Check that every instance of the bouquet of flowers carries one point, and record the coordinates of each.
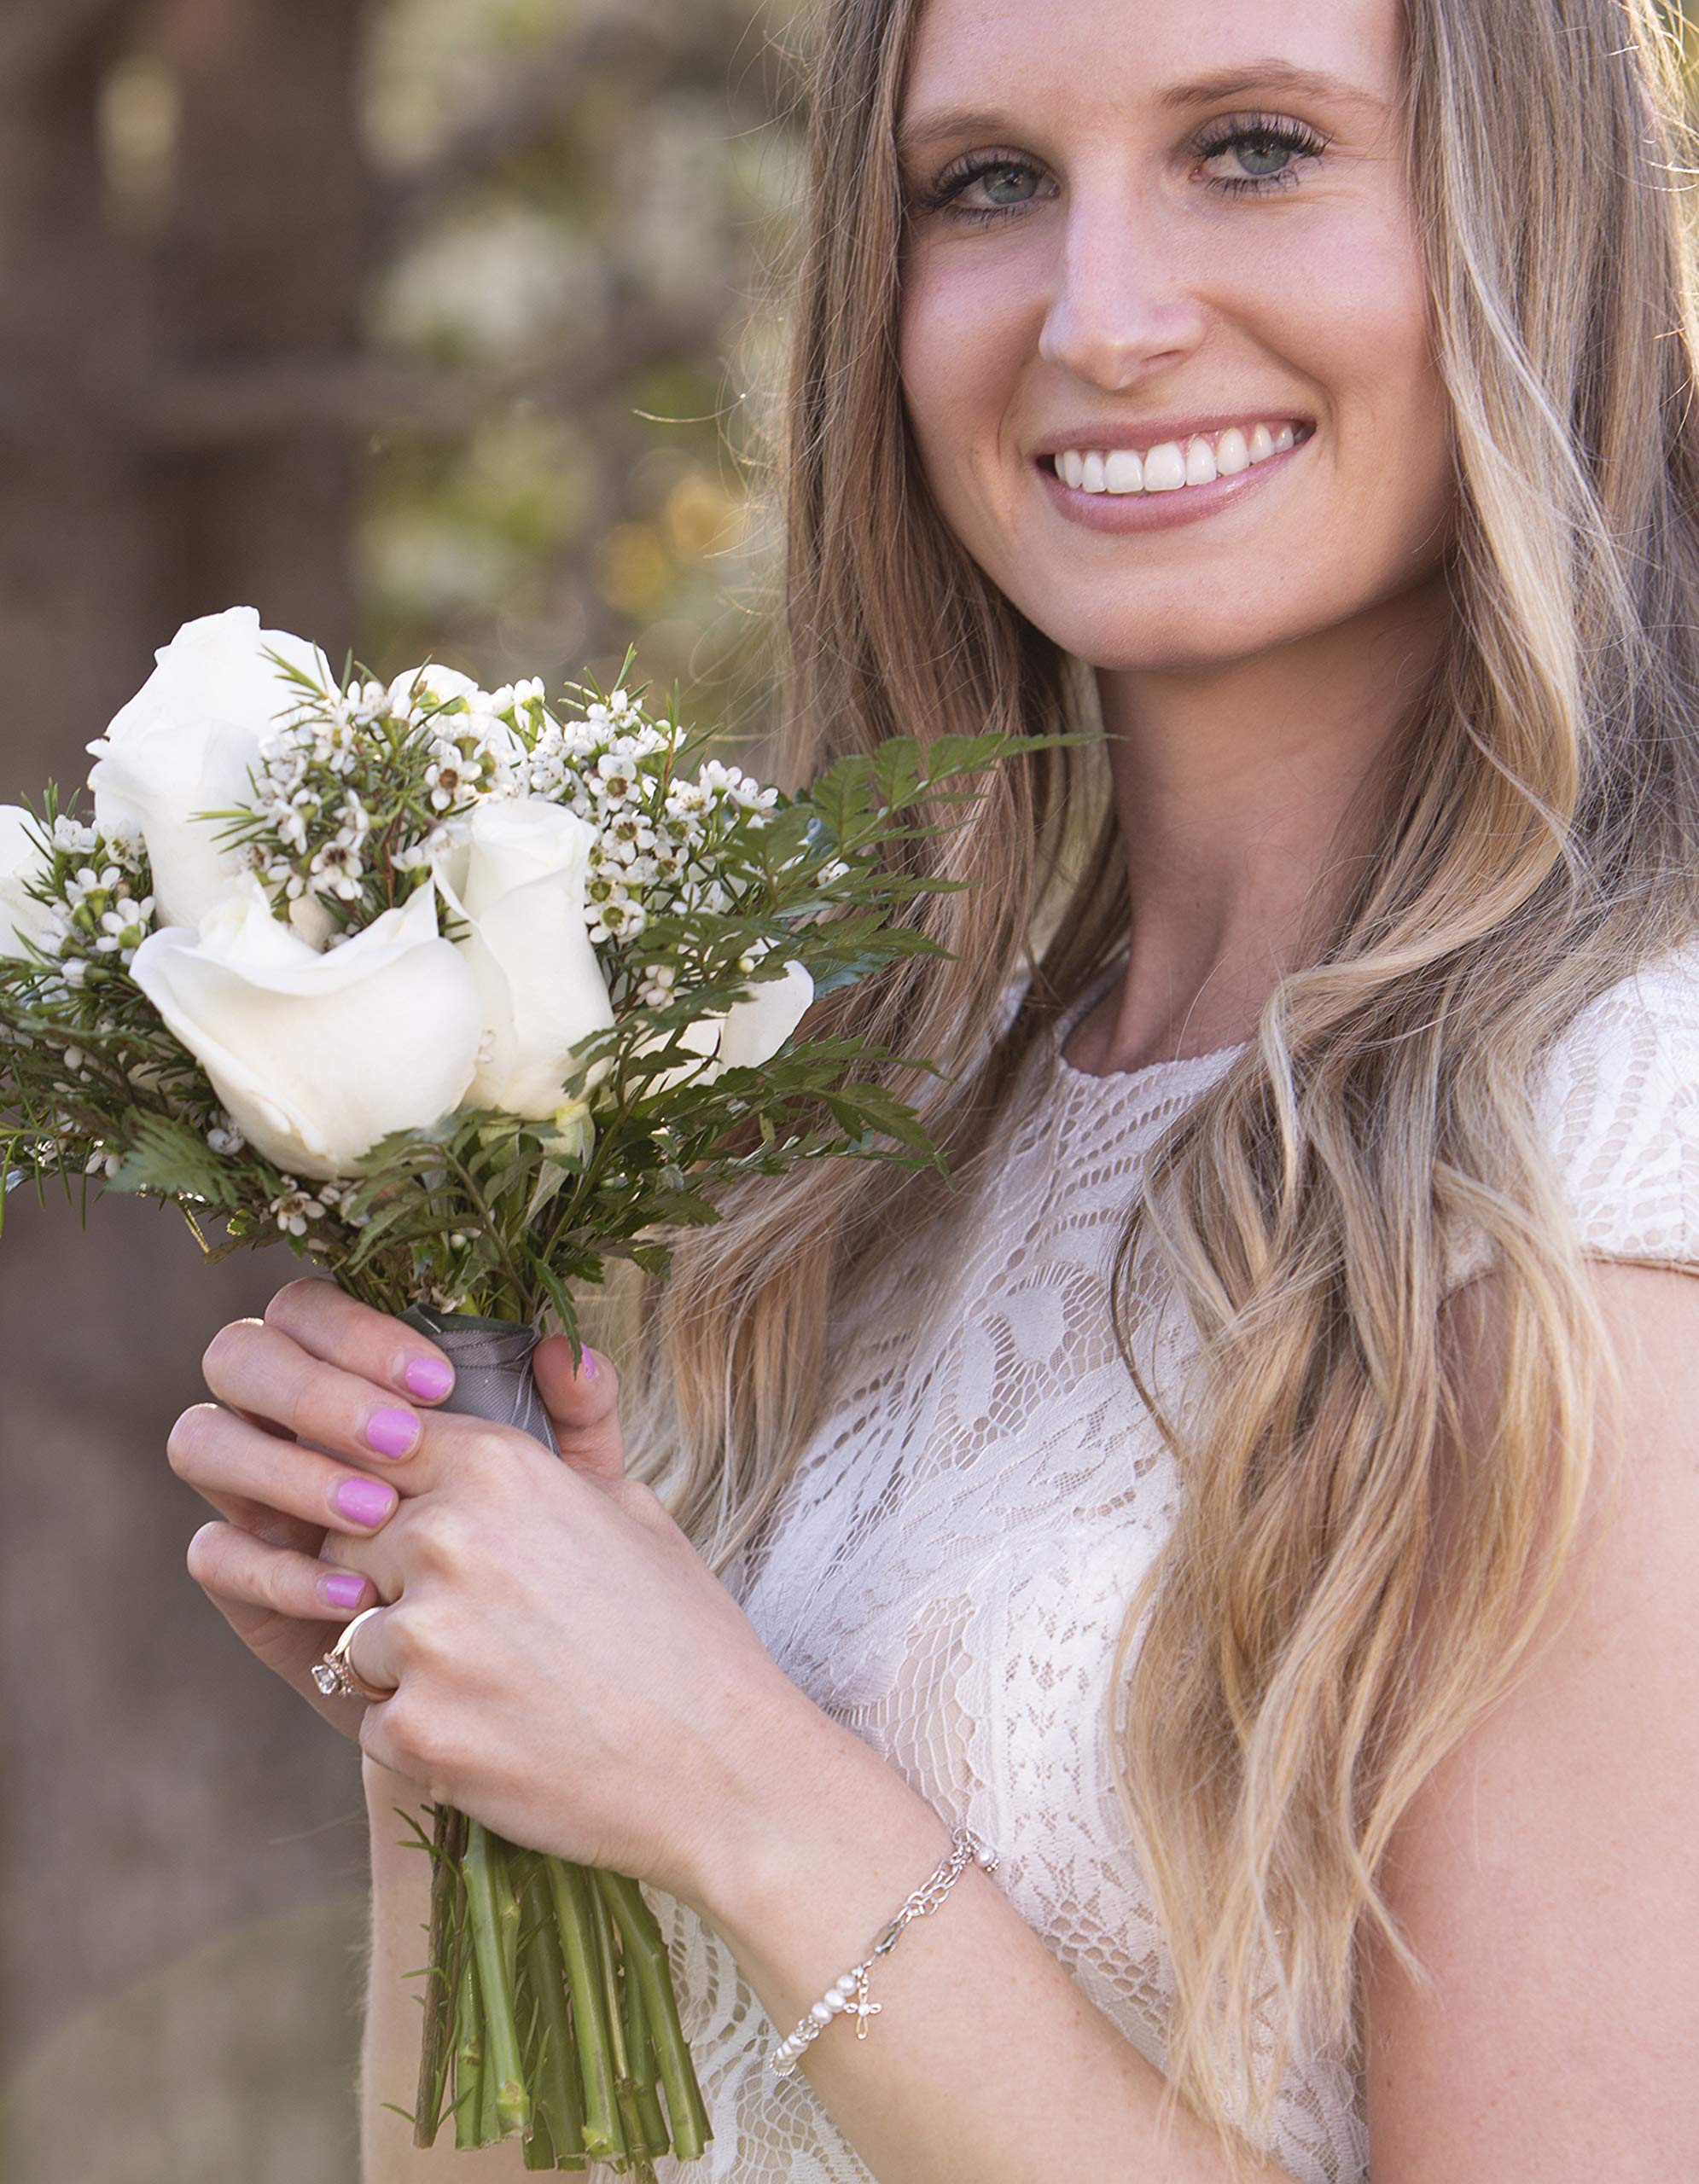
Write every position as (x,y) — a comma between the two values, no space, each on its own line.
(460,994)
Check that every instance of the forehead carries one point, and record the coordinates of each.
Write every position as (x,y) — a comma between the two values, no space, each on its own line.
(1121,59)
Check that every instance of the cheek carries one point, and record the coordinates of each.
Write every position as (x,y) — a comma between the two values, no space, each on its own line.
(963,337)
(1360,326)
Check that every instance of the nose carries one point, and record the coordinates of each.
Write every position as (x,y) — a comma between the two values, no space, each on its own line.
(1124,302)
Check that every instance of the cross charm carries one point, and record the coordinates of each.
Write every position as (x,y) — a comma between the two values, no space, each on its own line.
(861,2009)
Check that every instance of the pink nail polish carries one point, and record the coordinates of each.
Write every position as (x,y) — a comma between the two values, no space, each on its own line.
(366,1501)
(343,1590)
(587,1370)
(391,1432)
(430,1379)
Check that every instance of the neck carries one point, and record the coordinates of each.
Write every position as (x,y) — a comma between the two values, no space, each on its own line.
(1246,793)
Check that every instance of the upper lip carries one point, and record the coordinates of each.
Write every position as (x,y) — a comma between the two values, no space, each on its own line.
(1108,433)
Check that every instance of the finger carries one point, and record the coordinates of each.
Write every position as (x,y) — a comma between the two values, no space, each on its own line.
(211,1448)
(258,1370)
(372,1650)
(236,1568)
(341,1331)
(584,1407)
(264,1522)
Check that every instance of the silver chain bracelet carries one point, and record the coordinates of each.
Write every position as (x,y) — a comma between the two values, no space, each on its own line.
(847,1996)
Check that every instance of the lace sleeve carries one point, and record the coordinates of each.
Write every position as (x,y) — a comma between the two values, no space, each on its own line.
(1620,1099)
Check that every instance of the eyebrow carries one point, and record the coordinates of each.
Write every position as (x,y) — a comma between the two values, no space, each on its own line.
(1272,75)
(1243,77)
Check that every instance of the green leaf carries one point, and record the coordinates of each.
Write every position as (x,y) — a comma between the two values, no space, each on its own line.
(897,768)
(688,1208)
(167,1157)
(549,1178)
(961,754)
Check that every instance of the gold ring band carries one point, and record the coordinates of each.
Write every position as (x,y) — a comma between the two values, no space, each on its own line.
(337,1675)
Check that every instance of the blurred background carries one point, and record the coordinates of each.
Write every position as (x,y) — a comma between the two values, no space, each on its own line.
(430,328)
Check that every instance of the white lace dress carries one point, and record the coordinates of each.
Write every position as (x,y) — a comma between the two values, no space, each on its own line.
(948,1572)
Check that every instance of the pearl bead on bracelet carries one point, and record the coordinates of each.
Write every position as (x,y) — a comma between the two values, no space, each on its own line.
(848,1994)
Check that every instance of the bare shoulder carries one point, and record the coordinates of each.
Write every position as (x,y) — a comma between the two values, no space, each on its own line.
(1545,1871)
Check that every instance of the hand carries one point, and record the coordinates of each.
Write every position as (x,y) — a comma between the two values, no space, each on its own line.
(273,1571)
(568,1669)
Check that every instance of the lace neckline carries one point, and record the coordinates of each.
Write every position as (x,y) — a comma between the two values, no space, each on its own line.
(1154,1085)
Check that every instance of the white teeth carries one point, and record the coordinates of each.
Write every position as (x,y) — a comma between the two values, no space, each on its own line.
(1165,468)
(1170,466)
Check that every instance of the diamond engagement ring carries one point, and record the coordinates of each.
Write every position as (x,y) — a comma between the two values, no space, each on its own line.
(336,1675)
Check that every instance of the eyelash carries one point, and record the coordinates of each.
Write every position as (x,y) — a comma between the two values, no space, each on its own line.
(1263,130)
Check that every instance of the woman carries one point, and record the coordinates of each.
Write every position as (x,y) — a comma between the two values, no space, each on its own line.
(1213,1499)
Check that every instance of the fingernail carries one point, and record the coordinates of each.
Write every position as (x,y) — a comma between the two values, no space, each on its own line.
(430,1379)
(343,1590)
(366,1501)
(391,1432)
(587,1370)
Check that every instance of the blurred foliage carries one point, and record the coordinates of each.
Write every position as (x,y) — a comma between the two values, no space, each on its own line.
(552,176)
(510,545)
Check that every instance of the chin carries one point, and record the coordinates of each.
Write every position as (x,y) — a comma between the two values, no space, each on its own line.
(1159,641)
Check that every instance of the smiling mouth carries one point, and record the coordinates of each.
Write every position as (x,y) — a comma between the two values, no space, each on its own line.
(1171,466)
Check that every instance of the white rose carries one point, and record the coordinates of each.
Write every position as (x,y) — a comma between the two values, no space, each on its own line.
(317,1057)
(515,873)
(185,742)
(432,684)
(743,1036)
(21,917)
(755,1028)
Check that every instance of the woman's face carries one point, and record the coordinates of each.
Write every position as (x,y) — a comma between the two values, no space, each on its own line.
(1164,228)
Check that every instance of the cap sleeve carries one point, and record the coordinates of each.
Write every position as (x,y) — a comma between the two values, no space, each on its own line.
(1618,1100)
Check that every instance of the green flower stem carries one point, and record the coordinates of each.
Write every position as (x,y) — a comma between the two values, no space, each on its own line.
(630,2115)
(468,2057)
(447,1932)
(489,2119)
(487,1890)
(646,1955)
(536,2148)
(556,2085)
(656,2137)
(603,2135)
(608,1965)
(504,1856)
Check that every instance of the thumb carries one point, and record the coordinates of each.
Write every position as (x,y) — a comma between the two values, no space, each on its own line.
(584,1407)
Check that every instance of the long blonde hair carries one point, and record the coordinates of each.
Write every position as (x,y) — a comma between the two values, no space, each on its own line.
(1305,1654)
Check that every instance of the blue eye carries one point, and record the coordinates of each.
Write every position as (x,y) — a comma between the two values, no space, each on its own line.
(1267,137)
(1266,145)
(942,196)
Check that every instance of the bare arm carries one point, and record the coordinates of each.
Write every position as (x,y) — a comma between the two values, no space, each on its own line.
(1544,1872)
(987,2065)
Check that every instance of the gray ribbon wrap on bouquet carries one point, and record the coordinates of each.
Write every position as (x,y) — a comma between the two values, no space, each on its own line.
(492,1374)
